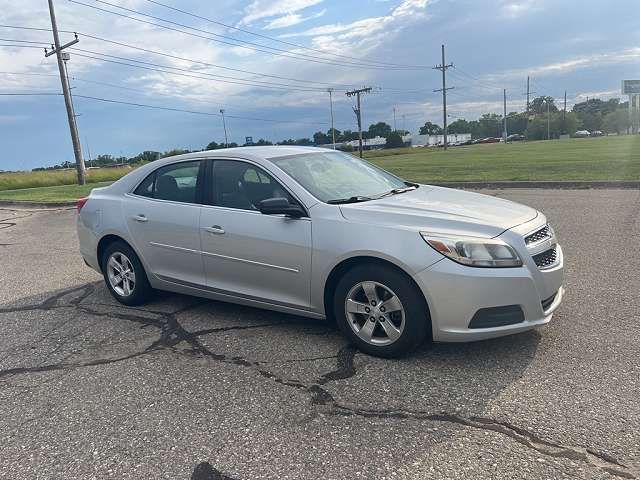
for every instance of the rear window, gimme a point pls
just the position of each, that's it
(177, 183)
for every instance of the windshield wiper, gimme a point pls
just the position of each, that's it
(396, 191)
(354, 199)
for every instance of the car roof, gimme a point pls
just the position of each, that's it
(250, 153)
(259, 155)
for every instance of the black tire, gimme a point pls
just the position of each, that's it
(141, 289)
(417, 324)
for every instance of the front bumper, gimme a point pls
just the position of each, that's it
(456, 292)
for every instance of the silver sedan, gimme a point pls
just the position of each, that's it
(320, 233)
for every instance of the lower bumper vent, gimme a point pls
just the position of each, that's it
(497, 316)
(547, 258)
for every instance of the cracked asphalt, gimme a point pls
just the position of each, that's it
(185, 388)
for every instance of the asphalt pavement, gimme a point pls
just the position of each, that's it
(185, 388)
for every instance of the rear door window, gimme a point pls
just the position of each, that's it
(178, 182)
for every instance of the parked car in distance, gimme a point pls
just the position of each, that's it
(490, 140)
(516, 137)
(320, 233)
(582, 134)
(597, 133)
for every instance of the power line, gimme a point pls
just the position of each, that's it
(20, 46)
(22, 41)
(196, 112)
(189, 75)
(273, 39)
(176, 57)
(259, 48)
(78, 79)
(482, 83)
(199, 62)
(28, 94)
(247, 80)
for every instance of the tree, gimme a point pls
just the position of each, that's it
(537, 129)
(459, 126)
(539, 105)
(394, 140)
(430, 129)
(175, 151)
(320, 138)
(330, 136)
(262, 141)
(517, 123)
(490, 125)
(212, 146)
(347, 136)
(616, 122)
(146, 156)
(380, 129)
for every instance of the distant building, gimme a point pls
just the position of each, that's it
(377, 143)
(429, 140)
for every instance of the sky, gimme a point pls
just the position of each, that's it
(269, 63)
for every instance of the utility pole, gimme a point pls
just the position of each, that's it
(444, 67)
(358, 111)
(88, 151)
(528, 95)
(333, 131)
(57, 50)
(224, 125)
(504, 127)
(548, 122)
(394, 120)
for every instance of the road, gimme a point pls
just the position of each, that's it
(187, 388)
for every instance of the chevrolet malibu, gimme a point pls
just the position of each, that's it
(319, 233)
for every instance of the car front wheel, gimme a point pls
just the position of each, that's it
(124, 275)
(381, 311)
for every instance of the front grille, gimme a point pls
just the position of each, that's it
(547, 258)
(538, 235)
(548, 302)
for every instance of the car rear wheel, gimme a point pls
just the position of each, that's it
(124, 275)
(381, 311)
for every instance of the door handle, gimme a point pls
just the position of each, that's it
(216, 229)
(140, 218)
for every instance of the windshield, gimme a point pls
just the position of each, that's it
(334, 176)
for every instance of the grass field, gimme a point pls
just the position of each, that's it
(61, 193)
(603, 158)
(51, 178)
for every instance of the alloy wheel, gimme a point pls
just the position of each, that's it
(375, 313)
(120, 272)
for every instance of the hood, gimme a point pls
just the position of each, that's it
(439, 209)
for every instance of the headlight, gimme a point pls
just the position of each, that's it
(474, 251)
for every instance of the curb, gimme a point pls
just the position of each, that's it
(28, 203)
(559, 185)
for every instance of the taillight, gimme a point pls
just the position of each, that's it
(81, 203)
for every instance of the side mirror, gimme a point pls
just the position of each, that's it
(281, 206)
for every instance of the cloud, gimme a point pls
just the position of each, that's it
(261, 9)
(291, 19)
(630, 55)
(518, 8)
(366, 34)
